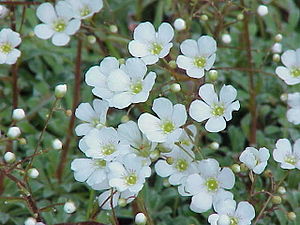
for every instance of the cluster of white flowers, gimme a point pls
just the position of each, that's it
(9, 40)
(64, 20)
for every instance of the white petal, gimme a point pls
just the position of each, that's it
(82, 168)
(201, 202)
(163, 107)
(260, 168)
(108, 64)
(288, 58)
(83, 129)
(73, 26)
(121, 100)
(207, 46)
(138, 49)
(43, 31)
(163, 169)
(189, 48)
(179, 115)
(12, 57)
(94, 77)
(165, 33)
(194, 184)
(215, 124)
(14, 38)
(209, 168)
(283, 148)
(227, 94)
(294, 100)
(60, 39)
(184, 62)
(85, 112)
(118, 81)
(144, 32)
(101, 108)
(208, 94)
(150, 59)
(226, 178)
(264, 154)
(210, 62)
(130, 132)
(135, 68)
(165, 51)
(293, 115)
(230, 108)
(150, 126)
(149, 81)
(105, 201)
(199, 111)
(296, 148)
(97, 177)
(195, 72)
(213, 219)
(64, 10)
(245, 210)
(45, 12)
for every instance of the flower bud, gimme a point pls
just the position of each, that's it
(179, 24)
(226, 38)
(140, 219)
(236, 168)
(3, 11)
(276, 58)
(278, 37)
(57, 144)
(13, 132)
(9, 157)
(113, 28)
(18, 114)
(22, 141)
(122, 202)
(268, 173)
(154, 155)
(284, 97)
(214, 145)
(91, 39)
(68, 112)
(33, 173)
(204, 17)
(175, 87)
(224, 220)
(213, 75)
(243, 167)
(262, 10)
(240, 16)
(172, 64)
(125, 119)
(277, 48)
(121, 61)
(291, 216)
(69, 207)
(166, 183)
(281, 190)
(60, 90)
(276, 200)
(170, 160)
(30, 221)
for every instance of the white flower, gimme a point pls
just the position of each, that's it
(140, 219)
(139, 144)
(284, 154)
(30, 221)
(262, 10)
(57, 144)
(277, 48)
(69, 207)
(111, 197)
(129, 173)
(151, 45)
(57, 23)
(33, 173)
(60, 90)
(166, 128)
(293, 113)
(9, 40)
(13, 132)
(121, 85)
(216, 109)
(209, 185)
(18, 114)
(254, 159)
(179, 24)
(93, 117)
(197, 56)
(92, 171)
(104, 144)
(9, 157)
(242, 214)
(290, 72)
(177, 166)
(83, 9)
(226, 38)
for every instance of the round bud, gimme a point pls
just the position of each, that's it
(291, 216)
(224, 220)
(33, 173)
(278, 37)
(172, 64)
(31, 34)
(277, 48)
(18, 114)
(268, 173)
(140, 219)
(154, 155)
(121, 61)
(179, 24)
(60, 90)
(243, 167)
(236, 168)
(13, 132)
(276, 200)
(262, 10)
(3, 11)
(22, 141)
(170, 160)
(125, 119)
(122, 202)
(91, 39)
(204, 17)
(68, 112)
(57, 144)
(226, 38)
(240, 16)
(175, 87)
(213, 75)
(69, 207)
(166, 183)
(276, 58)
(113, 28)
(9, 157)
(30, 221)
(214, 145)
(281, 190)
(284, 97)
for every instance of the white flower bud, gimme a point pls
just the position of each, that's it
(213, 75)
(236, 168)
(284, 97)
(57, 144)
(276, 58)
(60, 90)
(240, 16)
(69, 207)
(179, 24)
(33, 173)
(277, 48)
(3, 11)
(278, 37)
(140, 219)
(291, 216)
(281, 190)
(262, 10)
(226, 38)
(9, 157)
(175, 87)
(113, 28)
(125, 119)
(30, 221)
(214, 145)
(13, 132)
(122, 202)
(18, 114)
(224, 220)
(204, 17)
(91, 39)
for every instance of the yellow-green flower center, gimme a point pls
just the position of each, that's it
(291, 160)
(233, 221)
(59, 26)
(185, 142)
(200, 62)
(168, 127)
(218, 110)
(137, 87)
(85, 11)
(181, 165)
(212, 184)
(295, 72)
(108, 149)
(156, 48)
(6, 48)
(131, 179)
(101, 163)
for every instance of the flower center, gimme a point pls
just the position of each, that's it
(108, 149)
(200, 62)
(59, 26)
(131, 179)
(290, 159)
(101, 163)
(85, 11)
(181, 165)
(156, 49)
(212, 184)
(6, 48)
(168, 127)
(218, 110)
(233, 221)
(295, 72)
(137, 87)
